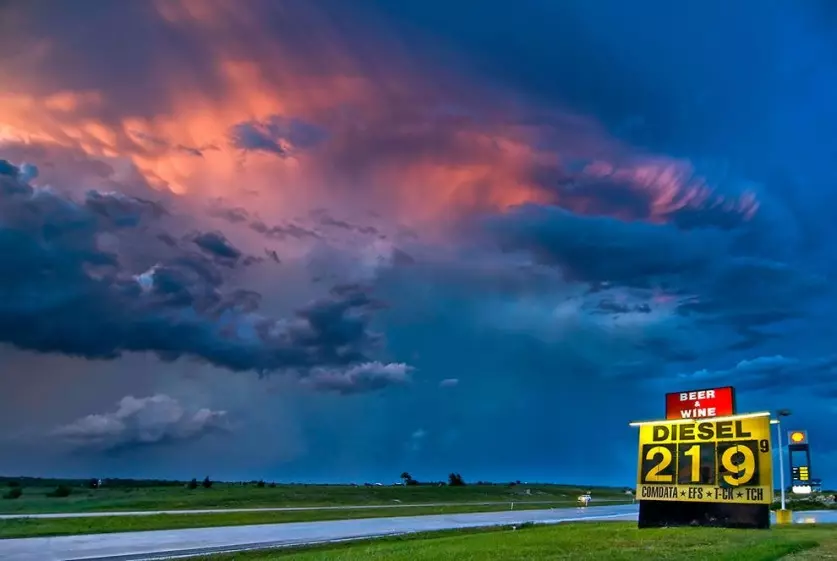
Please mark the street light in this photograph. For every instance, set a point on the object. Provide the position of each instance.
(779, 414)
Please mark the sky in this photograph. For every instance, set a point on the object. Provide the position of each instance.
(317, 240)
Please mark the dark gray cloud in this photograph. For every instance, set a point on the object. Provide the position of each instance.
(162, 144)
(217, 245)
(277, 135)
(145, 421)
(67, 295)
(325, 219)
(601, 249)
(717, 280)
(772, 373)
(218, 208)
(608, 306)
(282, 232)
(233, 214)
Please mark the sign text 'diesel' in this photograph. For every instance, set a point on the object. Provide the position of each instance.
(724, 461)
(701, 404)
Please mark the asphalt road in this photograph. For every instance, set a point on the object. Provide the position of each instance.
(275, 509)
(159, 544)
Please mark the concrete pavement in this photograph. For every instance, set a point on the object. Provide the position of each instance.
(280, 509)
(160, 544)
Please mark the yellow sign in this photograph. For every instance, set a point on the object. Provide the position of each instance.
(724, 461)
(797, 437)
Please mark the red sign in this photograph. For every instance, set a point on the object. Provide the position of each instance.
(701, 404)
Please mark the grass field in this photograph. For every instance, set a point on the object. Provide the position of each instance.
(35, 498)
(41, 527)
(614, 541)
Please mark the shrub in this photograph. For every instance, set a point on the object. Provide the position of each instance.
(14, 493)
(207, 483)
(192, 484)
(260, 483)
(60, 491)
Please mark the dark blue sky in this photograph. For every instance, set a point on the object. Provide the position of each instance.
(321, 240)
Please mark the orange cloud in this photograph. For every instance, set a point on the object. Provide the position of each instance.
(390, 141)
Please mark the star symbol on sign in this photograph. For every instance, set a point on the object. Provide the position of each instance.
(740, 494)
(682, 493)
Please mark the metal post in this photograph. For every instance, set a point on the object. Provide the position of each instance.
(781, 461)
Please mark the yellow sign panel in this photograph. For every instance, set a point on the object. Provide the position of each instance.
(724, 461)
(797, 437)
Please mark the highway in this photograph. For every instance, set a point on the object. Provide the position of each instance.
(279, 509)
(160, 544)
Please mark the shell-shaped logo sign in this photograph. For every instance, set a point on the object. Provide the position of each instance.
(797, 437)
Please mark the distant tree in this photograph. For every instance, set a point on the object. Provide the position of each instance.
(207, 483)
(455, 480)
(408, 479)
(260, 483)
(193, 484)
(14, 483)
(93, 483)
(13, 493)
(61, 491)
(272, 485)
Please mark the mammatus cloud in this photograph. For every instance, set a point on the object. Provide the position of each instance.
(66, 294)
(364, 377)
(143, 421)
(387, 130)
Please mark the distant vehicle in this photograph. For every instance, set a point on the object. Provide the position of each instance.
(584, 499)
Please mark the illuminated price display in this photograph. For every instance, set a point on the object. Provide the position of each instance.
(725, 461)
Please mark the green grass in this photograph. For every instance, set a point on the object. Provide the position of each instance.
(614, 541)
(35, 499)
(40, 527)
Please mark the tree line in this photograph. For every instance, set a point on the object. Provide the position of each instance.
(454, 480)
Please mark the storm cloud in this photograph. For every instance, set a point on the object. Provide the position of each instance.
(473, 221)
(67, 295)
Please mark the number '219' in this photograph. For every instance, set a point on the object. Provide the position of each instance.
(736, 462)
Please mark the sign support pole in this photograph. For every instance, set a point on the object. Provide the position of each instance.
(781, 462)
